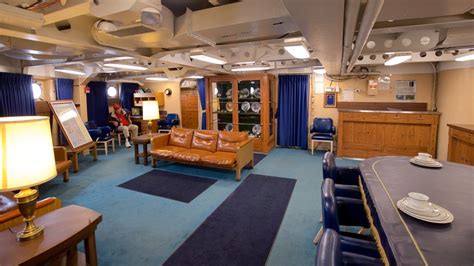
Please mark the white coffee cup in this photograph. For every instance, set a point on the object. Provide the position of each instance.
(424, 156)
(418, 200)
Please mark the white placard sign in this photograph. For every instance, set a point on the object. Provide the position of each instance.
(405, 90)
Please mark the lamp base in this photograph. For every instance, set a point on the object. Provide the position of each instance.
(149, 128)
(26, 200)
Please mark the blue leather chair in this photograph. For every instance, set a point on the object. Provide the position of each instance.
(340, 174)
(322, 130)
(172, 120)
(98, 133)
(333, 252)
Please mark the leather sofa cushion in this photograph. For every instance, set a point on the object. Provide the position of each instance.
(166, 151)
(191, 155)
(205, 140)
(181, 137)
(220, 158)
(62, 166)
(229, 141)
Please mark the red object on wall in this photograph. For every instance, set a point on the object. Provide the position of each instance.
(87, 89)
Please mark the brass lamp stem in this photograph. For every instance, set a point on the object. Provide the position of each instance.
(149, 128)
(26, 200)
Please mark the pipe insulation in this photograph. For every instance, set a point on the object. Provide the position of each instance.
(350, 22)
(371, 12)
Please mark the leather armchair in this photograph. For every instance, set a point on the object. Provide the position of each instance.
(98, 133)
(345, 178)
(172, 120)
(334, 252)
(62, 162)
(322, 130)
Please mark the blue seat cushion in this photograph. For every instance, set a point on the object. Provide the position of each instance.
(322, 137)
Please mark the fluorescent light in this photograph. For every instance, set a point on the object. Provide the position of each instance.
(195, 77)
(298, 51)
(397, 60)
(319, 71)
(245, 63)
(71, 71)
(125, 66)
(465, 57)
(157, 78)
(208, 59)
(251, 68)
(118, 58)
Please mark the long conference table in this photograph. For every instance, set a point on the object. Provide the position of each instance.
(404, 240)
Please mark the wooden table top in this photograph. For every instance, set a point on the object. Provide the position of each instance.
(144, 139)
(62, 228)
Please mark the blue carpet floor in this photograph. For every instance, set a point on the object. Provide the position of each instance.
(140, 229)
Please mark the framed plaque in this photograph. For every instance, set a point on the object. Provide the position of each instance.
(330, 99)
(71, 124)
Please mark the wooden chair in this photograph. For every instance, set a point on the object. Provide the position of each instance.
(106, 144)
(11, 216)
(62, 162)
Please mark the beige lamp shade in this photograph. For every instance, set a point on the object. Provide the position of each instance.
(151, 110)
(26, 152)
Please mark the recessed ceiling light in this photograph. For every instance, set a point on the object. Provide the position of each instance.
(397, 60)
(125, 66)
(465, 57)
(251, 68)
(71, 71)
(157, 78)
(298, 51)
(118, 58)
(195, 77)
(207, 58)
(319, 71)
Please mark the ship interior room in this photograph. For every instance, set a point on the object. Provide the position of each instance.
(236, 132)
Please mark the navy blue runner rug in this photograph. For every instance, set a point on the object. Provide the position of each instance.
(241, 231)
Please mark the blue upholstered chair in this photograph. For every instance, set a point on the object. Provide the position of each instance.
(322, 130)
(172, 120)
(332, 251)
(101, 135)
(340, 174)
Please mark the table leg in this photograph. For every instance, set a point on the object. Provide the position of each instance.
(75, 162)
(90, 250)
(94, 152)
(145, 154)
(135, 147)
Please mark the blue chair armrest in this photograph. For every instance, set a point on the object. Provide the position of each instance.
(360, 246)
(333, 130)
(347, 175)
(351, 212)
(348, 191)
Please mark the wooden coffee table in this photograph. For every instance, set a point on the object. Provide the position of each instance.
(63, 229)
(144, 140)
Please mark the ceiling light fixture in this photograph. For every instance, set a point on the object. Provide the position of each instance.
(195, 77)
(71, 71)
(118, 58)
(207, 58)
(319, 71)
(251, 68)
(297, 48)
(125, 66)
(157, 78)
(397, 60)
(465, 57)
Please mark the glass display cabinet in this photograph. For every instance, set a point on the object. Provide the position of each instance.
(243, 103)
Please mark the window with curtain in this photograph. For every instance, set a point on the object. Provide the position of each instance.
(64, 89)
(97, 108)
(202, 98)
(16, 95)
(126, 95)
(293, 98)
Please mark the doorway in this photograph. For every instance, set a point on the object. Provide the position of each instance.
(189, 108)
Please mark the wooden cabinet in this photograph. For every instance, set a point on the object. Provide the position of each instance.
(138, 98)
(243, 103)
(364, 134)
(461, 144)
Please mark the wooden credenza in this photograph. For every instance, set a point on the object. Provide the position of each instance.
(461, 144)
(364, 134)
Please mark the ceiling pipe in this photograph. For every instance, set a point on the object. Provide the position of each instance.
(350, 22)
(371, 12)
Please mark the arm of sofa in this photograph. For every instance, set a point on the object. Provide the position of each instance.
(244, 153)
(60, 153)
(160, 141)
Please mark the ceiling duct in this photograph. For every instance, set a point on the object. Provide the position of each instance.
(19, 17)
(131, 25)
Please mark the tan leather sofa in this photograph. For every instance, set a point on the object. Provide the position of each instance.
(62, 162)
(217, 149)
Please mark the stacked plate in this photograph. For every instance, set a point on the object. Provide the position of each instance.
(430, 162)
(426, 211)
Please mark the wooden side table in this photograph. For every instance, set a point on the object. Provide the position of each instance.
(63, 229)
(144, 140)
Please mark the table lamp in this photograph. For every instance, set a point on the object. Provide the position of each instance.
(151, 111)
(26, 160)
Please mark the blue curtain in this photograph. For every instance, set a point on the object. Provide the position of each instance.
(293, 94)
(202, 98)
(97, 109)
(16, 95)
(64, 89)
(126, 95)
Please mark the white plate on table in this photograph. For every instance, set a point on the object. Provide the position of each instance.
(426, 163)
(435, 214)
